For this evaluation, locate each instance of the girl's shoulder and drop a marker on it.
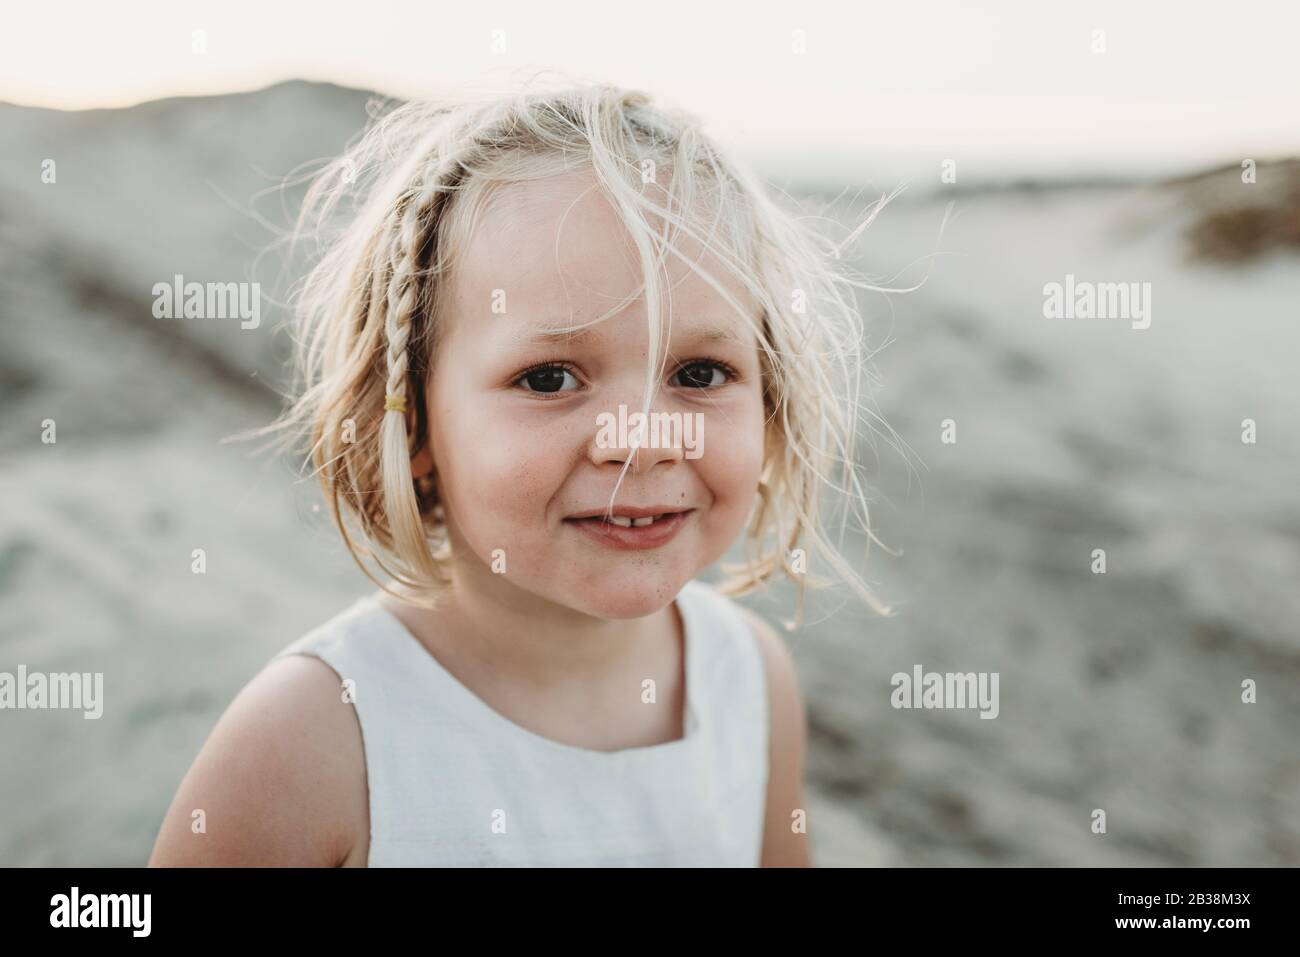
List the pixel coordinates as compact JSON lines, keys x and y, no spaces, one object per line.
{"x":281,"y":780}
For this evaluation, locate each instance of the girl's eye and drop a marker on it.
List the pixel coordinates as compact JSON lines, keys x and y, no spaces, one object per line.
{"x":548,"y":378}
{"x":700,"y":375}
{"x":553,"y":378}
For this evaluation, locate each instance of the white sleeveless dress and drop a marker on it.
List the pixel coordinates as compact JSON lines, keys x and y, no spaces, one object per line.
{"x":455,"y":783}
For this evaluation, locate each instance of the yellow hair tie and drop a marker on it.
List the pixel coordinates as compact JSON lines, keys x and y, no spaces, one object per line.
{"x":394,"y":403}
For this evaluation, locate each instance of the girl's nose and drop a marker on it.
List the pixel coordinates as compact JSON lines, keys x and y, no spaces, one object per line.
{"x":648,"y":440}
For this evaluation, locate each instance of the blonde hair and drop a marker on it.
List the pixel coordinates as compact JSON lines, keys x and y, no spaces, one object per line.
{"x":416,"y":183}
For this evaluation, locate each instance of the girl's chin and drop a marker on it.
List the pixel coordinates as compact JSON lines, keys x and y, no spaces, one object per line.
{"x":622,"y":601}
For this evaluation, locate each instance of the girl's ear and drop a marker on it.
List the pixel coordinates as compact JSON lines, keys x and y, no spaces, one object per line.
{"x":422,"y":463}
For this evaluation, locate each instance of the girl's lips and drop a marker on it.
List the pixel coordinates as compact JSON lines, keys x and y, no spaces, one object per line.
{"x":633,"y":538}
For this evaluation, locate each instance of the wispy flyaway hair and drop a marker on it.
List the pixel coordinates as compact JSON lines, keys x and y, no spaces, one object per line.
{"x":395,"y":210}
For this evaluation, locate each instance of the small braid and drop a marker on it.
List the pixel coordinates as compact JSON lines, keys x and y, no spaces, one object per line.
{"x":408,"y":239}
{"x":402,"y":289}
{"x":397,"y":333}
{"x":414,"y":214}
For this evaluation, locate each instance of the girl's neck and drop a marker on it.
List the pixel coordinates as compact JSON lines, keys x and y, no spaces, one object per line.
{"x":521,"y":636}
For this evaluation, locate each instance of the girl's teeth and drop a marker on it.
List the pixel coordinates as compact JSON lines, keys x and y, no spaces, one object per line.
{"x":624,"y":521}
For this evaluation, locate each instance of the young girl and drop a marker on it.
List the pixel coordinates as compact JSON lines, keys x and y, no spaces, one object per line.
{"x":562,"y":354}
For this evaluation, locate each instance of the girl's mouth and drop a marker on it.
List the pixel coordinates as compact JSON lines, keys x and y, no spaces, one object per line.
{"x":627,"y":531}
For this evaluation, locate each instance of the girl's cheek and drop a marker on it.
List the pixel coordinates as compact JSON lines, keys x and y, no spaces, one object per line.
{"x":733,"y":447}
{"x":514,"y":467}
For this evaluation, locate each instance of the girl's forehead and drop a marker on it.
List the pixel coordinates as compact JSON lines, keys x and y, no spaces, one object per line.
{"x":554,"y":252}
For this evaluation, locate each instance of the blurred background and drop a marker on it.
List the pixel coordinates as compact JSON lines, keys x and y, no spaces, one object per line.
{"x":1155,"y":145}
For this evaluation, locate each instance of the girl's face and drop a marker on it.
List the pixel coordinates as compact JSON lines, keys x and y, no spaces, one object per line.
{"x":516,"y":418}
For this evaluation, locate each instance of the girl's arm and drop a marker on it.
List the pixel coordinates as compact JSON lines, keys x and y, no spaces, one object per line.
{"x":280,"y":781}
{"x":783,"y":845}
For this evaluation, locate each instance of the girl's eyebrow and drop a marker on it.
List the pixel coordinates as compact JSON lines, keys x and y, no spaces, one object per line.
{"x":705,"y":336}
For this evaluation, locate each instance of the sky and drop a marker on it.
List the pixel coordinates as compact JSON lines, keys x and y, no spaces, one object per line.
{"x":1015,"y":88}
